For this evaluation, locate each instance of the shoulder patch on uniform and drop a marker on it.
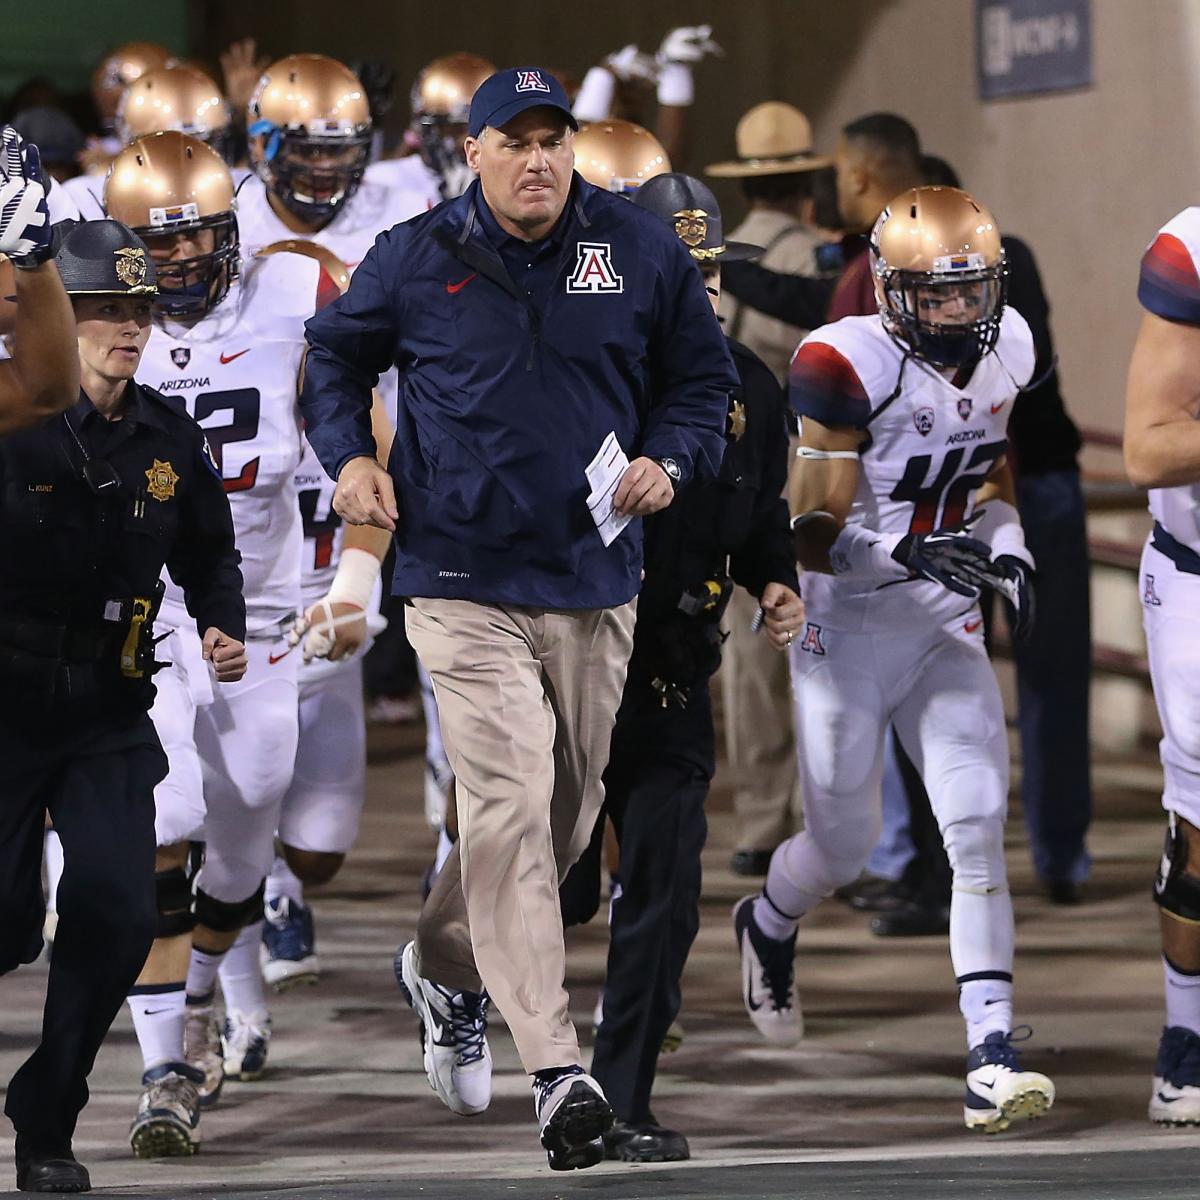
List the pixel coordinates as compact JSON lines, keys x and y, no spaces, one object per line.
{"x":210,"y":460}
{"x":1169,"y":285}
{"x":823,"y":385}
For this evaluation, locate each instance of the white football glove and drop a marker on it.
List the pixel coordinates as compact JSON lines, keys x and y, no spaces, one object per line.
{"x":629,"y":64}
{"x":688,"y":44}
{"x":25,"y":234}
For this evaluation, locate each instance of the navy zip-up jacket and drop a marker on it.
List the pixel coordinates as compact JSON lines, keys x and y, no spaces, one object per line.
{"x":503,"y":403}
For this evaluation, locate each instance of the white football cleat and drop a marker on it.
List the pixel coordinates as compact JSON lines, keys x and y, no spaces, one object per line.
{"x":1176,"y":1096}
{"x":768,"y":978}
{"x":999,"y":1093}
{"x":245,"y":1040}
{"x":458,"y":1060}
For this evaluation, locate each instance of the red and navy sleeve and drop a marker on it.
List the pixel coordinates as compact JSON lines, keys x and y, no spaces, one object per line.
{"x":823,"y":385}
{"x":1169,"y":285}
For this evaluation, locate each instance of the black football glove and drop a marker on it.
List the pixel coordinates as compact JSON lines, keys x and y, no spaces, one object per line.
{"x":950,"y":557}
{"x":24,"y":216}
{"x":1015,"y":585}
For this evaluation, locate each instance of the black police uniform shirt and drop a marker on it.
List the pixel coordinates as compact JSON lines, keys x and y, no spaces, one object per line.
{"x":736,"y":523}
{"x":70,"y":551}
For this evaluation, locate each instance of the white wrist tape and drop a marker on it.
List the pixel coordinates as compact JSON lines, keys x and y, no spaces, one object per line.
{"x":1000,"y":526}
{"x":865,"y":554}
{"x":675,"y":85}
{"x":815,"y":455}
{"x":594,"y":101}
{"x":354,"y":582}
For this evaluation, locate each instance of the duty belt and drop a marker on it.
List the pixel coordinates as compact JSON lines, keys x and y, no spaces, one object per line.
{"x":1184,"y":557}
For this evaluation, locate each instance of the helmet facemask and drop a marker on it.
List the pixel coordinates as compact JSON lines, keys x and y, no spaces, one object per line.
{"x":312,"y":176}
{"x":191,"y":287}
{"x":949,"y":318}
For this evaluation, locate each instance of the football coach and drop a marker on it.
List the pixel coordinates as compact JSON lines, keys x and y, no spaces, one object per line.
{"x":530,"y":318}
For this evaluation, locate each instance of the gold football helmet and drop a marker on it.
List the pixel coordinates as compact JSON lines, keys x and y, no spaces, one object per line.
{"x":309,"y":124}
{"x":179,"y":97}
{"x":618,"y":156}
{"x":176,"y":194}
{"x":441,"y":106}
{"x":119,"y":69}
{"x":940,"y":274}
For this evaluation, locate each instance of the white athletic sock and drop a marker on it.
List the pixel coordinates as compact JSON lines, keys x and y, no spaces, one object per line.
{"x":986,"y":1006}
{"x":283,"y":881}
{"x":158,"y":1013}
{"x":241,"y":975}
{"x":202,"y":975}
{"x":54,"y":868}
{"x":1183,"y":996}
{"x":771,"y":921}
{"x":444,"y":846}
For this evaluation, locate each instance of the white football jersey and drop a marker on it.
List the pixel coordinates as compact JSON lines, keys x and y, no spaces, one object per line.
{"x":1169,"y":287}
{"x":372,"y":209}
{"x":235,"y":371}
{"x":931,"y":444}
{"x":410,"y":175}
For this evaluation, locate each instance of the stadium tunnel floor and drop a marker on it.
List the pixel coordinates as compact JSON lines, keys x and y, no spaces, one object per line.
{"x":869,"y":1104}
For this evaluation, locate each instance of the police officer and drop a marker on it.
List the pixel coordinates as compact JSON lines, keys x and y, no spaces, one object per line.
{"x":733,"y":530}
{"x":92,"y":505}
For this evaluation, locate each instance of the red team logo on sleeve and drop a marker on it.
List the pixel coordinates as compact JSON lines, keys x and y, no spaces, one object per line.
{"x":594,"y":270}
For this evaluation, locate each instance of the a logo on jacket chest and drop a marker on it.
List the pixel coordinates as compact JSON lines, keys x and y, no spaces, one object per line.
{"x":964,"y":407}
{"x":181,"y":356}
{"x":593,"y":271}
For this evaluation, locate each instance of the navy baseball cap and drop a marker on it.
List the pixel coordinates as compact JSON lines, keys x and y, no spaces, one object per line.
{"x":506,"y":94}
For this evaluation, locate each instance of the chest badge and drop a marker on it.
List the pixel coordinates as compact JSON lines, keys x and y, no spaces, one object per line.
{"x":737,"y":420}
{"x":594,"y":271}
{"x":161,"y":480}
{"x":964,"y":407}
{"x":923,"y":420}
{"x":181,"y":356}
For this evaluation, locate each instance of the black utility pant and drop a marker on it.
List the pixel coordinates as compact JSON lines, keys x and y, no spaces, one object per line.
{"x":657,"y":780}
{"x":96,"y":778}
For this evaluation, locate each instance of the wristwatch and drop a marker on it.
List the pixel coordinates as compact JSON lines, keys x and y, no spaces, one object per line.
{"x":674,"y":474}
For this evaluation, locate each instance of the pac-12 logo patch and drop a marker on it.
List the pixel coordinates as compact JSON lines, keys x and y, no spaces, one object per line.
{"x":1149,"y":595}
{"x":923,"y":420}
{"x":594,"y":270}
{"x":811,"y":641}
{"x":181,"y":356}
{"x":531,"y":81}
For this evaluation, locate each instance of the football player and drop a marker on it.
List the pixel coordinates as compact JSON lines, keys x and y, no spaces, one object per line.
{"x":309,"y":126}
{"x":113,"y":74}
{"x":441,"y":101}
{"x":903,"y":512}
{"x":228,"y":343}
{"x":1162,"y":453}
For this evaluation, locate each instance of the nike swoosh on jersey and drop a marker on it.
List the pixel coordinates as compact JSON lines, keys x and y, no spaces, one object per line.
{"x":971,"y":626}
{"x":272,"y":659}
{"x":455,"y":288}
{"x":997,"y":407}
{"x":228,"y":358}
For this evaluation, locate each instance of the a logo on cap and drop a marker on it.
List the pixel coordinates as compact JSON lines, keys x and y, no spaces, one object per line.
{"x":531,"y":81}
{"x":691,"y":226}
{"x":594,"y":270}
{"x":131,"y":266}
{"x":180,"y":356}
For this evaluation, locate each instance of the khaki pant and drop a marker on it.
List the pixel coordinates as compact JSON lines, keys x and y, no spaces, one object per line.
{"x":527,"y":700}
{"x":759,"y":739}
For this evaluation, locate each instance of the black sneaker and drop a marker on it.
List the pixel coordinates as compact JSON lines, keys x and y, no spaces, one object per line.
{"x":573,"y":1116}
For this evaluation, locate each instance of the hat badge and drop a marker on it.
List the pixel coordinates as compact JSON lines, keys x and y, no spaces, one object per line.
{"x":691,"y":226}
{"x":131,"y":265}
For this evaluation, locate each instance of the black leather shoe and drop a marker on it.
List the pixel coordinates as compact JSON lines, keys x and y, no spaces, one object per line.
{"x":751,"y":862}
{"x":873,"y":894}
{"x":56,"y":1171}
{"x":645,"y":1141}
{"x":912,"y":920}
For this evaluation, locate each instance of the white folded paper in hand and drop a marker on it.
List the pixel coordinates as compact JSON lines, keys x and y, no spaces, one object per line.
{"x":604,"y":473}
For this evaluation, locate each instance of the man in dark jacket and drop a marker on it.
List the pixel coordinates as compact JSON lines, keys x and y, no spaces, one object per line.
{"x":544,"y":331}
{"x":733,"y":530}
